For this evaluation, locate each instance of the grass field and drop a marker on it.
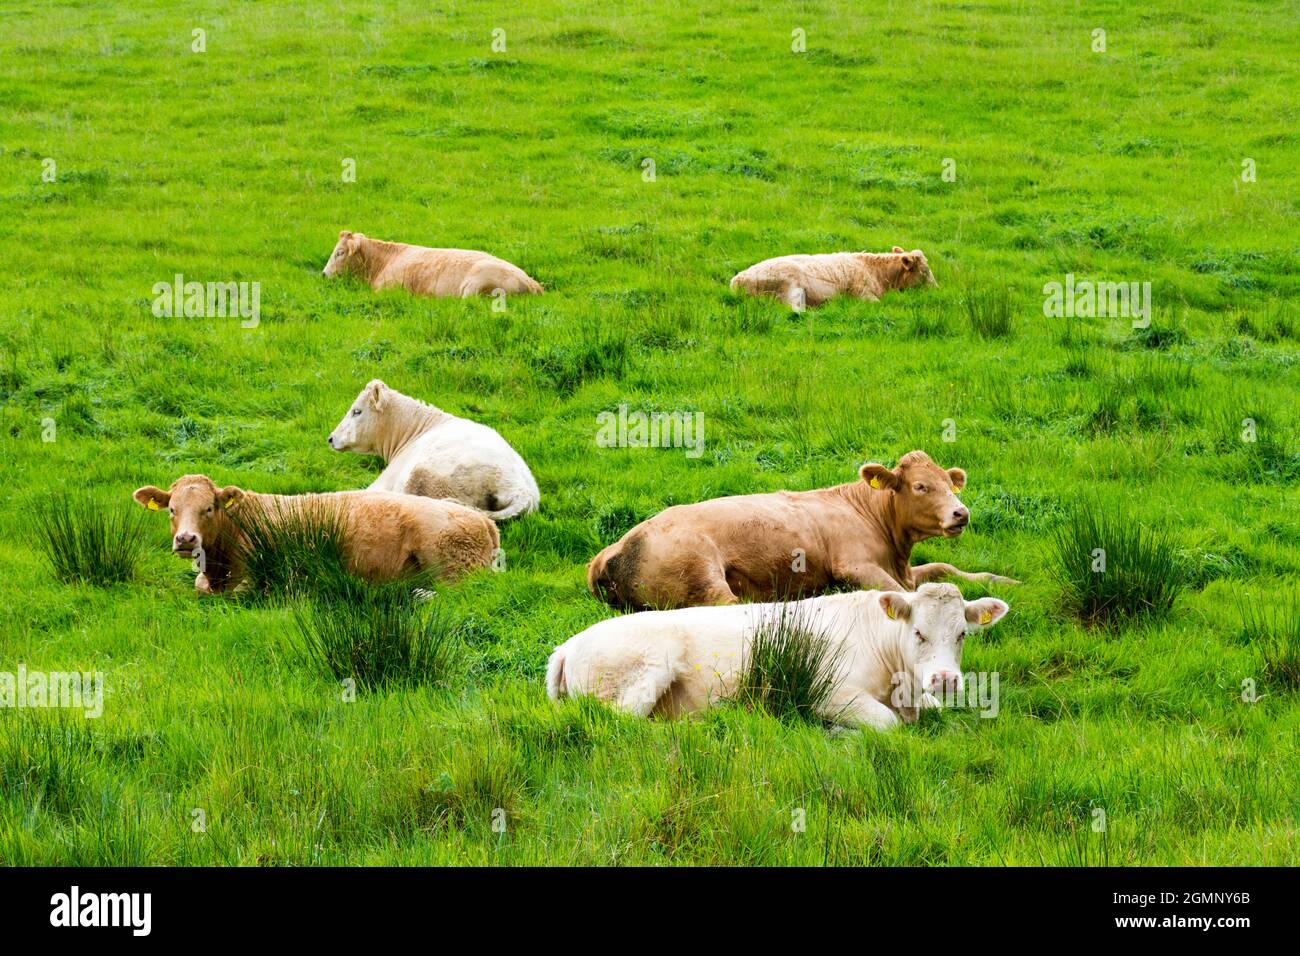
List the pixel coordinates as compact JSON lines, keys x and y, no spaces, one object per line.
{"x":222,"y":742}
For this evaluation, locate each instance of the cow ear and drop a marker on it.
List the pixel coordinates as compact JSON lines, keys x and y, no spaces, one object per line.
{"x":152,"y":498}
{"x":895,"y":605}
{"x":376,"y":392}
{"x":985,"y":612}
{"x":229,"y":496}
{"x":898,"y":249}
{"x":958,"y":478}
{"x":908,"y":260}
{"x":347,"y":234}
{"x":878,"y":476}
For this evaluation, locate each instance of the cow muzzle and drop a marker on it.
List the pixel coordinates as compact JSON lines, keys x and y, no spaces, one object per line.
{"x":957,"y":522}
{"x":944,"y":682}
{"x":185,"y":543}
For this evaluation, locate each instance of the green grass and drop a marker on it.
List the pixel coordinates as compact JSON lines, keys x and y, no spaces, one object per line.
{"x":989,"y":310}
{"x":82,"y":539}
{"x":790,"y":670}
{"x":292,"y":553}
{"x":1274,"y":628}
{"x":379,"y":636}
{"x":227,"y":166}
{"x":1111,"y":569}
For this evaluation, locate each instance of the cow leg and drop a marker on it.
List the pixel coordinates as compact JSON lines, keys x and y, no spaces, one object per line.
{"x":868,"y":577}
{"x":866,"y":711}
{"x":937,"y":569}
{"x":640,"y":696}
{"x":795,"y":297}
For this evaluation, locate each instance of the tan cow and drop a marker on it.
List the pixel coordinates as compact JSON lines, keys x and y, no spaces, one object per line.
{"x":385,"y":536}
{"x":801,"y":281}
{"x":424,"y":271}
{"x":789,"y":543}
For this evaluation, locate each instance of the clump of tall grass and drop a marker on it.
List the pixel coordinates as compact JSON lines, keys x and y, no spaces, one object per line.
{"x":791,"y":670}
{"x":1112,"y":568}
{"x":82,"y":539}
{"x":1274,"y":628}
{"x":287,"y":554}
{"x":382,"y":635}
{"x":988,"y":310}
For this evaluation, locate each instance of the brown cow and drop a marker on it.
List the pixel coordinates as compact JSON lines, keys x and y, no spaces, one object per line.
{"x":772,"y":546}
{"x":385,"y":536}
{"x":425,"y":271}
{"x":801,"y":281}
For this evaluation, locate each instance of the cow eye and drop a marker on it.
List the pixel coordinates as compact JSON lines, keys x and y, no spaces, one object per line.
{"x":919,"y":636}
{"x":356,"y":412}
{"x":920,"y":488}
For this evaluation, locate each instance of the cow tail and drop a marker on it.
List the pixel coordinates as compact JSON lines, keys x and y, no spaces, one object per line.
{"x":514,"y":509}
{"x":555,"y":683}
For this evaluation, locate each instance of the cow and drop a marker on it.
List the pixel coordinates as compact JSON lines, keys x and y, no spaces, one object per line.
{"x":423,"y":271}
{"x":889,"y":654}
{"x":433,"y":453}
{"x":788,"y":543}
{"x":801,"y":281}
{"x":385,"y":536}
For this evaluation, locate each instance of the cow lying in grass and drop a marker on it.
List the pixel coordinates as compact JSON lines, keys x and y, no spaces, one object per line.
{"x":801,"y":281}
{"x":432,"y":453}
{"x":425,"y":271}
{"x":384,"y":536}
{"x":769,"y":546}
{"x":891,"y":653}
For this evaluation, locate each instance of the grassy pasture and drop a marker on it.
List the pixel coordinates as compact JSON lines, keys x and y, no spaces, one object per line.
{"x":228,"y":165}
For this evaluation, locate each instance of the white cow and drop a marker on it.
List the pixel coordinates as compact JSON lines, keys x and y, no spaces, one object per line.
{"x":896,"y":651}
{"x":432,"y":453}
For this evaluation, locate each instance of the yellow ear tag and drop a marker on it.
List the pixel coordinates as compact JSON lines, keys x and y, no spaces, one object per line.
{"x":986,"y":617}
{"x":875,"y":482}
{"x":152,"y":505}
{"x":229,"y":502}
{"x":890,"y":611}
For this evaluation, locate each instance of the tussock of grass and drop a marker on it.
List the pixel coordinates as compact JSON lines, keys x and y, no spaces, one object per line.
{"x":1112,"y":568}
{"x":988,"y":310}
{"x":1273,"y":626}
{"x":791,"y":670}
{"x":84,"y":540}
{"x":292,"y":554}
{"x":381,"y":636}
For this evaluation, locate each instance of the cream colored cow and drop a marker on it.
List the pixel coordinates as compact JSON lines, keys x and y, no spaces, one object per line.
{"x":894,"y":653}
{"x":433,"y":453}
{"x":425,"y":271}
{"x":801,"y":281}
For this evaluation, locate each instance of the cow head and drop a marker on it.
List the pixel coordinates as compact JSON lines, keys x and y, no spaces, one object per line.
{"x":913,"y":270}
{"x":363,"y":425}
{"x":936,"y":620}
{"x":198,"y":510}
{"x":344,"y":258}
{"x":925,"y":495}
